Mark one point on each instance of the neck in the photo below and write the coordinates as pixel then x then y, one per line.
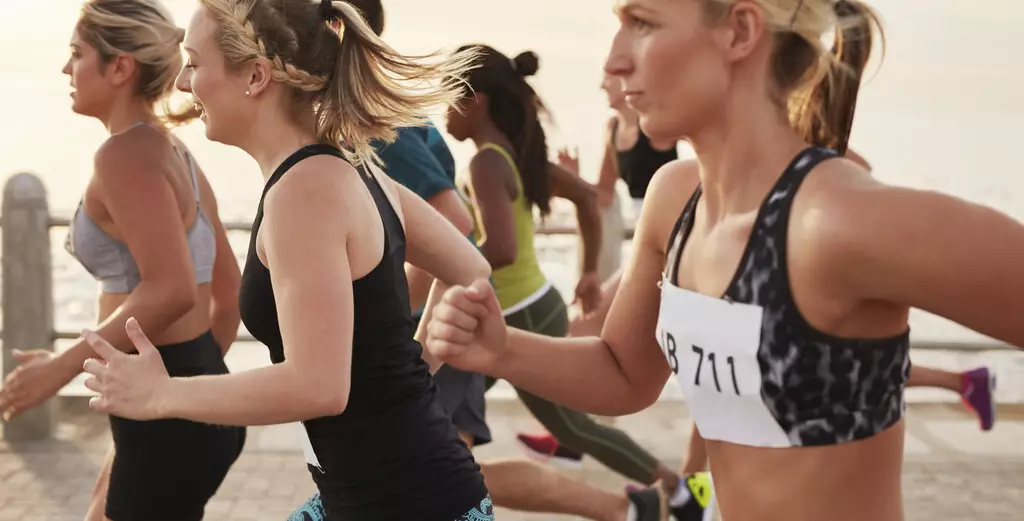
pixel 742 154
pixel 627 118
pixel 127 112
pixel 489 133
pixel 274 138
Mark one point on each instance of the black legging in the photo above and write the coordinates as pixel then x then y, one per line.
pixel 578 431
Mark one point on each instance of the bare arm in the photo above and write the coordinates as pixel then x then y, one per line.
pixel 568 186
pixel 931 251
pixel 608 176
pixel 227 277
pixel 131 185
pixel 448 204
pixel 624 370
pixel 435 246
pixel 493 207
pixel 306 236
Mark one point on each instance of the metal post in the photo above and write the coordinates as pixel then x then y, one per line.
pixel 27 291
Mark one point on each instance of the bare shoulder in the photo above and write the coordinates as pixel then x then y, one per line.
pixel 122 157
pixel 843 215
pixel 610 125
pixel 488 162
pixel 670 189
pixel 321 184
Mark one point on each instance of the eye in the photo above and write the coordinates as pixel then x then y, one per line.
pixel 638 23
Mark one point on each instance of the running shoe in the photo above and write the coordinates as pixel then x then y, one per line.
pixel 701 506
pixel 650 503
pixel 545 448
pixel 978 394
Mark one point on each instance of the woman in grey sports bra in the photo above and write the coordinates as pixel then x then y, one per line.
pixel 772 278
pixel 147 230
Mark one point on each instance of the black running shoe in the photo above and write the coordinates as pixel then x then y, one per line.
pixel 701 506
pixel 651 504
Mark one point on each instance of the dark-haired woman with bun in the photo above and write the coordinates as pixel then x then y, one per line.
pixel 509 175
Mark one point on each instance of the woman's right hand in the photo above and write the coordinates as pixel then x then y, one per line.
pixel 570 161
pixel 38 377
pixel 467 329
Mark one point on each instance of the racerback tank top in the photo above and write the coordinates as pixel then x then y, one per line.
pixel 753 370
pixel 638 164
pixel 394 453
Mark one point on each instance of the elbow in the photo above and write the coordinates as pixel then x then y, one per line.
pixel 224 309
pixel 463 222
pixel 335 406
pixel 590 208
pixel 501 256
pixel 480 269
pixel 176 300
pixel 643 398
pixel 633 401
pixel 331 401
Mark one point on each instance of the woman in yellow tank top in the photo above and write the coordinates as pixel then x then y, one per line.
pixel 509 175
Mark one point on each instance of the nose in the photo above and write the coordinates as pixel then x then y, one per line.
pixel 183 82
pixel 619 63
pixel 67 68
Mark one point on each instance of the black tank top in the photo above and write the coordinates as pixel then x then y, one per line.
pixel 817 388
pixel 394 453
pixel 638 164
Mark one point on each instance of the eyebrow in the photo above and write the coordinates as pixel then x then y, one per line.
pixel 629 7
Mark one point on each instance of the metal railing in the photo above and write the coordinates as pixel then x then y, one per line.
pixel 28 310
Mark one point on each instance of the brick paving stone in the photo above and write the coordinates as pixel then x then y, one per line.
pixel 952 471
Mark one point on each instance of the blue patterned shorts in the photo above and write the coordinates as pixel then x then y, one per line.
pixel 313 510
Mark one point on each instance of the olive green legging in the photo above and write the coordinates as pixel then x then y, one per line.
pixel 578 431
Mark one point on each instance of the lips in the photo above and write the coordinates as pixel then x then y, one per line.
pixel 199 106
pixel 634 98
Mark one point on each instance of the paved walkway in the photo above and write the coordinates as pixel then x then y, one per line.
pixel 952 472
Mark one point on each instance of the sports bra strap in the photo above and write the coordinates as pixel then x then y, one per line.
pixel 511 161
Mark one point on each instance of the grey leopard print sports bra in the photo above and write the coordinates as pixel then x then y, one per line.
pixel 798 386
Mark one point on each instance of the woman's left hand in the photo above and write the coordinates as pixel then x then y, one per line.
pixel 130 386
pixel 588 292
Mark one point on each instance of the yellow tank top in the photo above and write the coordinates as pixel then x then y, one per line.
pixel 523 278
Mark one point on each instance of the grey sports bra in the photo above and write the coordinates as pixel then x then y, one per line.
pixel 110 261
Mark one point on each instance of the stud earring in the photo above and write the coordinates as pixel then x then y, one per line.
pixel 246 93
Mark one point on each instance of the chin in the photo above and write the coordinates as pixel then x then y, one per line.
pixel 211 133
pixel 660 128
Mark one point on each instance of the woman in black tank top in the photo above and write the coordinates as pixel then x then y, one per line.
pixel 324 283
pixel 772 278
pixel 637 163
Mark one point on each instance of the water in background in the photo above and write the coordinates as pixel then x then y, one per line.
pixel 942 113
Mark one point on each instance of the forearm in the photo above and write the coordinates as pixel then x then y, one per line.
pixel 155 311
pixel 589 218
pixel 419 286
pixel 580 373
pixel 224 322
pixel 437 290
pixel 265 396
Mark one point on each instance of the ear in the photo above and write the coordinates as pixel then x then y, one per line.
pixel 742 30
pixel 480 102
pixel 260 76
pixel 121 69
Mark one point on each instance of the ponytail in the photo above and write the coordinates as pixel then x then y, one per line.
pixel 357 87
pixel 374 89
pixel 824 114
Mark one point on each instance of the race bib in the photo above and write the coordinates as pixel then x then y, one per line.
pixel 711 346
pixel 307 448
